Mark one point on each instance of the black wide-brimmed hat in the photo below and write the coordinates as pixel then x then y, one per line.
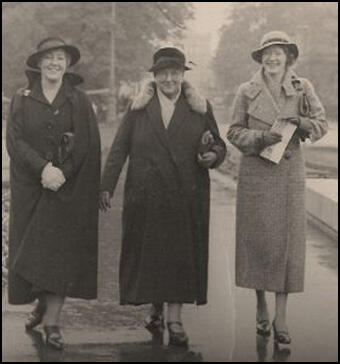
pixel 275 37
pixel 50 44
pixel 168 57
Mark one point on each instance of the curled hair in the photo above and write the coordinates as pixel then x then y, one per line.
pixel 291 59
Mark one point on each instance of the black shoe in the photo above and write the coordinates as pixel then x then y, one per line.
pixel 54 337
pixel 155 324
pixel 262 327
pixel 36 316
pixel 281 337
pixel 177 338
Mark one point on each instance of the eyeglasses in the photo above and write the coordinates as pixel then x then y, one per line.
pixel 162 75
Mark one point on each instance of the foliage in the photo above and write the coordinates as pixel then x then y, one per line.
pixel 138 27
pixel 313 25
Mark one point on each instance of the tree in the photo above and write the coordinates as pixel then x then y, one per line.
pixel 313 25
pixel 87 24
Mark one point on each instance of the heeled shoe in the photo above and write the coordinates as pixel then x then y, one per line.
pixel 263 327
pixel 281 337
pixel 155 324
pixel 36 316
pixel 54 337
pixel 177 338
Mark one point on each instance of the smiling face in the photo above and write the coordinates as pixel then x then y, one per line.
pixel 274 60
pixel 53 65
pixel 169 80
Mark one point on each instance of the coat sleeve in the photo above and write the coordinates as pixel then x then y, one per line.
pixel 118 154
pixel 315 124
pixel 219 146
pixel 248 141
pixel 18 149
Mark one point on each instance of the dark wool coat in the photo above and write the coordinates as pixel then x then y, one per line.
pixel 53 235
pixel 271 221
pixel 166 203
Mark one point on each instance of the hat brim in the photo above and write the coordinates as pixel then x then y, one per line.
pixel 257 54
pixel 72 51
pixel 166 64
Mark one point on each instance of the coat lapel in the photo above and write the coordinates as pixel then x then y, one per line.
pixel 263 106
pixel 179 116
pixel 37 93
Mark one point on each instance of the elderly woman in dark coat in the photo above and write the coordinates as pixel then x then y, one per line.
pixel 54 148
pixel 271 223
pixel 166 205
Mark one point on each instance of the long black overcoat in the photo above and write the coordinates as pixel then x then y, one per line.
pixel 53 235
pixel 166 203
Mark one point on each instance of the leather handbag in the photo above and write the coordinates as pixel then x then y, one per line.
pixel 207 141
pixel 66 147
pixel 304 104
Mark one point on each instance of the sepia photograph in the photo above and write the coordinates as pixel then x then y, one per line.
pixel 169 181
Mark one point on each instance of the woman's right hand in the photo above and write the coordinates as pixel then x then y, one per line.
pixel 270 137
pixel 104 201
pixel 52 177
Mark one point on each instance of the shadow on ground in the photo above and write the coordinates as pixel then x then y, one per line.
pixel 128 352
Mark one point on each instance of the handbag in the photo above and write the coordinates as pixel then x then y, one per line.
pixel 207 141
pixel 66 147
pixel 304 104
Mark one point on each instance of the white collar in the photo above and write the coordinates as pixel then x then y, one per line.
pixel 165 99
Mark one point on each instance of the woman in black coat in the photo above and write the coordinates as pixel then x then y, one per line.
pixel 166 202
pixel 54 148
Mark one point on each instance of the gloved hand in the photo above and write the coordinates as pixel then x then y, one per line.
pixel 270 137
pixel 52 177
pixel 303 126
pixel 207 159
pixel 104 201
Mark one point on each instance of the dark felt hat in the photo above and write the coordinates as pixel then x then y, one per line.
pixel 50 44
pixel 275 37
pixel 168 57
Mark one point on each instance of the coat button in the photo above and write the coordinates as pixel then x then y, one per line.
pixel 50 126
pixel 287 154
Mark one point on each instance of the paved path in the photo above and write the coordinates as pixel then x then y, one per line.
pixel 223 330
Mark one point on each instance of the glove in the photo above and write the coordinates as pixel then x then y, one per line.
pixel 270 137
pixel 207 159
pixel 52 177
pixel 303 124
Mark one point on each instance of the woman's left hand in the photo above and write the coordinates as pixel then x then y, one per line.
pixel 207 159
pixel 301 123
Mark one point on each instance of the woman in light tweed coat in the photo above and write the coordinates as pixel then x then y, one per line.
pixel 271 222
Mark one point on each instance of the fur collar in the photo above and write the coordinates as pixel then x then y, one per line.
pixel 196 102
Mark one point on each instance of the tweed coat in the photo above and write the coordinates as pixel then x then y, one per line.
pixel 166 201
pixel 270 217
pixel 53 235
